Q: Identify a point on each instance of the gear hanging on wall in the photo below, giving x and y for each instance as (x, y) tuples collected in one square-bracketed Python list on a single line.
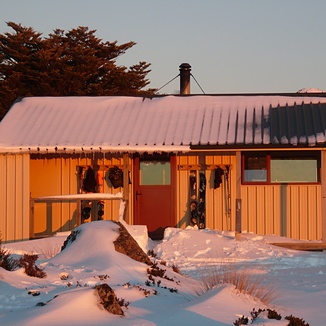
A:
[(219, 172)]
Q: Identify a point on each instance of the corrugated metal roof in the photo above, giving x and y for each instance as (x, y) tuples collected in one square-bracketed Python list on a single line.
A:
[(165, 123)]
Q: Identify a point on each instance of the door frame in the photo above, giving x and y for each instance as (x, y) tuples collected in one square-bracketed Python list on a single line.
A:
[(173, 179)]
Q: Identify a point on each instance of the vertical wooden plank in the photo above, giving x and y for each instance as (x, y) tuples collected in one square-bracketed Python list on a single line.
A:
[(183, 214), (11, 194), (130, 212), (260, 210), (323, 195), (65, 217), (238, 222), (268, 210), (319, 214), (312, 212), (210, 201), (233, 185), (284, 212), (26, 195), (74, 207), (18, 197), (252, 209), (277, 214), (3, 198), (292, 200), (126, 185), (244, 216), (126, 177)]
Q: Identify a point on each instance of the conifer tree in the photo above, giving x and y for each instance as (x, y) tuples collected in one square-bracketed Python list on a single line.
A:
[(73, 63)]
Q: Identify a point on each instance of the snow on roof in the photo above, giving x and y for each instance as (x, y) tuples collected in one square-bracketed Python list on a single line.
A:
[(311, 90), (162, 123)]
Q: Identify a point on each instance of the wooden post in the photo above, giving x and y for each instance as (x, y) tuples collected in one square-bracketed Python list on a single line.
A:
[(126, 183), (323, 195), (31, 219), (78, 212), (238, 197)]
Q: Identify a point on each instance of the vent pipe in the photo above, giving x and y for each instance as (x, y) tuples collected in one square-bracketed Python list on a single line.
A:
[(185, 69)]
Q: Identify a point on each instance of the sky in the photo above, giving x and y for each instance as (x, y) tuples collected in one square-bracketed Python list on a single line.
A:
[(236, 46)]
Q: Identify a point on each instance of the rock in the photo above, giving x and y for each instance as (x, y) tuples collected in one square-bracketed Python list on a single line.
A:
[(108, 299), (127, 245)]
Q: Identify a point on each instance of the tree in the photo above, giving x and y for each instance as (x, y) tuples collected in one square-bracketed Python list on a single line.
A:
[(73, 63)]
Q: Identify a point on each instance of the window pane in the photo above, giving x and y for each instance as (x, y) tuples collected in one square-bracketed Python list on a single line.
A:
[(154, 173), (255, 169), (294, 170)]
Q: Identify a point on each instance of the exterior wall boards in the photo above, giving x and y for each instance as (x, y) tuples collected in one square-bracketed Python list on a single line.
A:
[(287, 210), (14, 197), (57, 175), (218, 214)]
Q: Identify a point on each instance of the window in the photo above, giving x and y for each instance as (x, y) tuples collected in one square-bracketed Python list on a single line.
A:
[(280, 167), (255, 169), (154, 173)]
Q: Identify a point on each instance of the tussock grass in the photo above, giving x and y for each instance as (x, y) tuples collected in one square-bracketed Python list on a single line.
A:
[(246, 279), (47, 250)]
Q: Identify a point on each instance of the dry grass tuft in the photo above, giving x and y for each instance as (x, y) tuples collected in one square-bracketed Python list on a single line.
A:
[(47, 250), (246, 280)]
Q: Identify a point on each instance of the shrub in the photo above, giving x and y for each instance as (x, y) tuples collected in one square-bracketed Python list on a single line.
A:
[(295, 321), (28, 262), (151, 253), (272, 314), (156, 271), (6, 261), (255, 314), (123, 303), (176, 269), (241, 321)]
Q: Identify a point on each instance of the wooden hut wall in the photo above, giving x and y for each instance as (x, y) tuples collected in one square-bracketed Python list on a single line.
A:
[(217, 213), (53, 175), (14, 197), (287, 210)]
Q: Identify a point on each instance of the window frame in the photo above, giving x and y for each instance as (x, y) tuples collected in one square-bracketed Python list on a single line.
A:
[(269, 155)]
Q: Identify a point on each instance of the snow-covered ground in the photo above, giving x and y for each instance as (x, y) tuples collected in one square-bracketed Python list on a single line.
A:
[(298, 280)]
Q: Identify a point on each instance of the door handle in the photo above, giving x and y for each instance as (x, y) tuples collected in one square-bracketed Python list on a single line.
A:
[(137, 194)]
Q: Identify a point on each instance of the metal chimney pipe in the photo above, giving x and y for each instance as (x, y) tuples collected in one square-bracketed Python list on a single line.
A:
[(185, 69)]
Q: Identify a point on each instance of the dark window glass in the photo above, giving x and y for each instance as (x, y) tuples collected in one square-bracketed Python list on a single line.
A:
[(255, 169)]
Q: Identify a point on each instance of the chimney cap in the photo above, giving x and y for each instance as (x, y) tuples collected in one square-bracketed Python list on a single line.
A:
[(185, 66)]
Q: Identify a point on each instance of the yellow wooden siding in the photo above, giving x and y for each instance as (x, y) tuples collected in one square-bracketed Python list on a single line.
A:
[(216, 215), (14, 197), (58, 176), (287, 210)]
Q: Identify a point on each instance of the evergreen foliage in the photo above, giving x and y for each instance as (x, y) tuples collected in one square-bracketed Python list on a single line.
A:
[(73, 63)]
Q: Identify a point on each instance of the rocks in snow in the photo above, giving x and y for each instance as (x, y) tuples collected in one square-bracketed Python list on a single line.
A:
[(108, 299)]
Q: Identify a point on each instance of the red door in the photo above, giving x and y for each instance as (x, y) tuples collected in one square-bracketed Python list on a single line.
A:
[(154, 193)]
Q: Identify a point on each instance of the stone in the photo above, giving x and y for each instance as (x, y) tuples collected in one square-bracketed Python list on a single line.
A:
[(127, 245), (108, 299)]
